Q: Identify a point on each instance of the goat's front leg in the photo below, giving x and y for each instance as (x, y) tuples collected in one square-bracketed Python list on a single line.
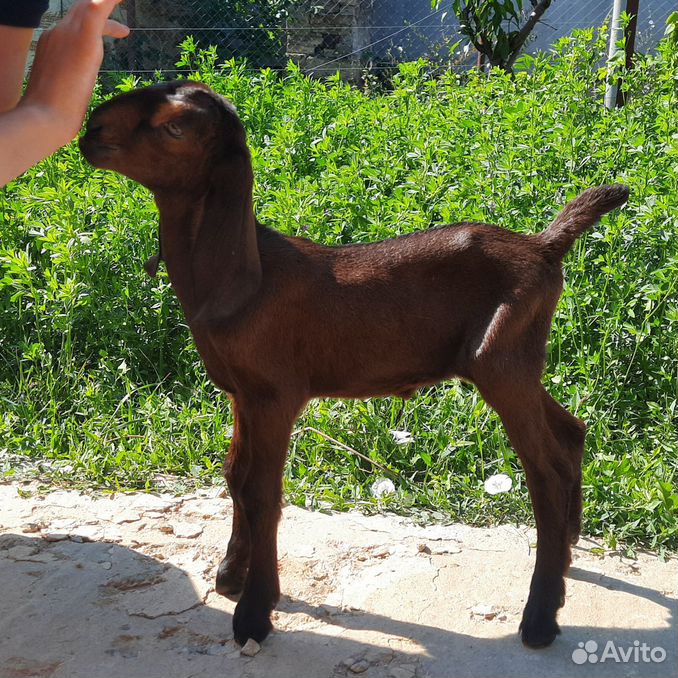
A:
[(552, 480), (267, 427), (233, 568)]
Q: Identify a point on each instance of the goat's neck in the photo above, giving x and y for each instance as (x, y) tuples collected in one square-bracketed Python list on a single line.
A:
[(210, 248)]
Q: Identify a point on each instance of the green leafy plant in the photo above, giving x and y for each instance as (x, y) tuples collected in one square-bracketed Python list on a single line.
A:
[(672, 27), (99, 380)]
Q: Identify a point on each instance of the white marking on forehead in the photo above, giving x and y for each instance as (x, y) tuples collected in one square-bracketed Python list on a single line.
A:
[(176, 98), (185, 93), (169, 109)]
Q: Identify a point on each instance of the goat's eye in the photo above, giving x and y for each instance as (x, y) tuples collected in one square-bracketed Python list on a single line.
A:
[(173, 129)]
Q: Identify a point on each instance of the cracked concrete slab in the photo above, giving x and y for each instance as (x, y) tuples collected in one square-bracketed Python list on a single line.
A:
[(101, 586)]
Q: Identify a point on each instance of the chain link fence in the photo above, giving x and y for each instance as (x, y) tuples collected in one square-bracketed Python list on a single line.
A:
[(563, 16), (320, 35), (323, 36)]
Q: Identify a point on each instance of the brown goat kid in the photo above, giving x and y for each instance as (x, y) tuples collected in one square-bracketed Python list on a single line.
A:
[(280, 320)]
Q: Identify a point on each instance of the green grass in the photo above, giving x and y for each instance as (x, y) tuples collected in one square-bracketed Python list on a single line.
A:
[(99, 379)]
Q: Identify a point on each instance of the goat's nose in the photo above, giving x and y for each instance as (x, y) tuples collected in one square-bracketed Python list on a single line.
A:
[(100, 133)]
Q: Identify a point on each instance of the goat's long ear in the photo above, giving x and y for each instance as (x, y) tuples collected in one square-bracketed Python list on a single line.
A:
[(226, 264)]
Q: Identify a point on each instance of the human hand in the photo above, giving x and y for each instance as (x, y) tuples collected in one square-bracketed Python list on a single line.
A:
[(66, 64)]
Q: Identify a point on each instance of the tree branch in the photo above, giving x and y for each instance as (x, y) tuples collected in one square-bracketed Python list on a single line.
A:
[(475, 34), (519, 39), (479, 24)]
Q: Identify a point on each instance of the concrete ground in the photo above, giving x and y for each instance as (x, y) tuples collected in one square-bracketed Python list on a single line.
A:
[(121, 587)]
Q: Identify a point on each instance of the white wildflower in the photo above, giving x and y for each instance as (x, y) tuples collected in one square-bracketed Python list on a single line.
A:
[(402, 437), (498, 483), (381, 487)]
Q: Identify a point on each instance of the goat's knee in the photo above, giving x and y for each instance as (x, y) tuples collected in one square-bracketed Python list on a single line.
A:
[(571, 432), (568, 430), (235, 468)]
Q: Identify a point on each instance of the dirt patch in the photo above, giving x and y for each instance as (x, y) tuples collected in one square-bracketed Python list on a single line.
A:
[(122, 586)]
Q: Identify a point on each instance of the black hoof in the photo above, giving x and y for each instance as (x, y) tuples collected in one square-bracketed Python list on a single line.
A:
[(249, 622), (230, 579), (538, 630)]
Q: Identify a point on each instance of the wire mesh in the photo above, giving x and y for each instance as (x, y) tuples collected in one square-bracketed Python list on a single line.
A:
[(563, 17), (323, 36)]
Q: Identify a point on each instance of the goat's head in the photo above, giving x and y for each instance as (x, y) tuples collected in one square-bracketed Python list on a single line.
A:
[(187, 144), (170, 137)]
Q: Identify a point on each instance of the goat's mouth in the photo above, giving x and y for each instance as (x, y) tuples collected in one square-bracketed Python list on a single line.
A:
[(95, 152)]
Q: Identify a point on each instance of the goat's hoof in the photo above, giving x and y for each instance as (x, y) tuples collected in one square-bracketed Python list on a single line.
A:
[(250, 623), (230, 580), (537, 630)]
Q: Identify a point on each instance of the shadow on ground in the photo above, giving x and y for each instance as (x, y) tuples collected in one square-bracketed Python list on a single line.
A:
[(65, 613)]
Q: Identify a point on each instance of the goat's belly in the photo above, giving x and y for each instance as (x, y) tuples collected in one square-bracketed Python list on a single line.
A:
[(394, 363), (372, 386)]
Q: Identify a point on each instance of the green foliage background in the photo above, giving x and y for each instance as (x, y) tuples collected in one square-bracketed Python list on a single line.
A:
[(100, 382)]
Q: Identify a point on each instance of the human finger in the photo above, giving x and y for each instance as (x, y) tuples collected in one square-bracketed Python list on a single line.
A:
[(115, 29), (95, 13)]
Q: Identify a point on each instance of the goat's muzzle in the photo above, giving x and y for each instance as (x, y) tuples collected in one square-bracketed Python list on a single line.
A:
[(95, 151), (98, 145)]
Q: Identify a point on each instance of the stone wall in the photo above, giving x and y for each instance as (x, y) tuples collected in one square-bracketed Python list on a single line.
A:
[(319, 32)]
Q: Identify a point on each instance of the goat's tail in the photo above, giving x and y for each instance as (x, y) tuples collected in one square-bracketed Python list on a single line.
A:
[(578, 215)]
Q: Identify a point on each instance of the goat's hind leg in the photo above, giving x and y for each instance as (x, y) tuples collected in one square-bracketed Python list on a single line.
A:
[(551, 481), (232, 570), (570, 432)]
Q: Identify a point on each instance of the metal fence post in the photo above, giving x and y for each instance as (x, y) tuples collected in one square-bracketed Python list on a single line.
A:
[(616, 34)]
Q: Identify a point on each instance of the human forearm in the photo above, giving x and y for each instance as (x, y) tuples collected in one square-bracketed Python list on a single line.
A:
[(29, 133)]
